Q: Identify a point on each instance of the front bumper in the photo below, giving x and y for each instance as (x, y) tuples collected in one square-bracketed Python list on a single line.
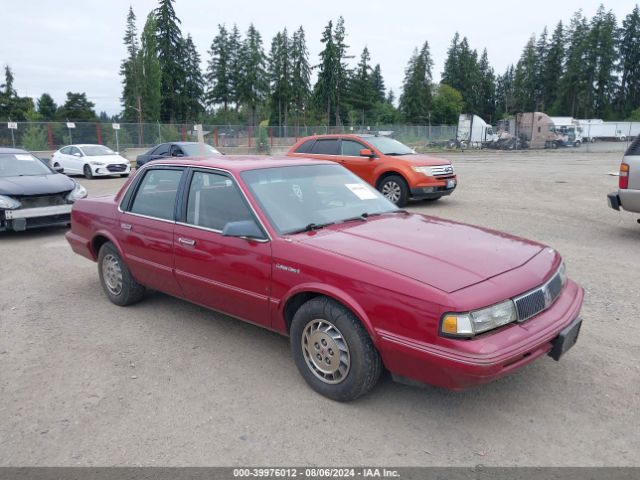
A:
[(437, 191), (518, 345), (111, 169), (26, 218)]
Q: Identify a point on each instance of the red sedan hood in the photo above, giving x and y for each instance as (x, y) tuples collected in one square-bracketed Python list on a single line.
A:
[(444, 254)]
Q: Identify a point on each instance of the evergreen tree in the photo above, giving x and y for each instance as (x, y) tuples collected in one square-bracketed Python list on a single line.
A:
[(342, 70), (193, 90), (235, 66), (462, 72), (629, 91), (505, 93), (77, 108), (603, 52), (377, 83), (254, 85), (525, 79), (150, 89), (46, 107), (325, 90), (542, 53), (553, 67), (486, 89), (573, 84), (415, 101), (363, 97), (280, 77), (13, 106), (219, 71), (170, 57), (131, 73), (300, 74)]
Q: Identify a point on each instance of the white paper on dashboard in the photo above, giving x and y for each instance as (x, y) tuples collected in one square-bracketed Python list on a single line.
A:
[(361, 191), (23, 157)]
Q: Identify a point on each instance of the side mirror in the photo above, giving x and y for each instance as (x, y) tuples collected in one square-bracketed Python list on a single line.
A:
[(77, 154), (58, 169), (243, 229), (365, 152)]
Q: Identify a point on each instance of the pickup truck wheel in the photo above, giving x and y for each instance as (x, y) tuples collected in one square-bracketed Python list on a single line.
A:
[(116, 280), (333, 351), (395, 189), (88, 173)]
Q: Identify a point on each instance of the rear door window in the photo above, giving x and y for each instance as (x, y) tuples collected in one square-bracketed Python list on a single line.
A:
[(156, 195), (306, 146), (325, 147)]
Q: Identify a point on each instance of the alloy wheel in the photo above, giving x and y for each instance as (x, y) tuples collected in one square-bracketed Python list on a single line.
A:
[(325, 351), (392, 191)]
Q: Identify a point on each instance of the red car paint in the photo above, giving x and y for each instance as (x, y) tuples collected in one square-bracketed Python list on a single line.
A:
[(398, 274)]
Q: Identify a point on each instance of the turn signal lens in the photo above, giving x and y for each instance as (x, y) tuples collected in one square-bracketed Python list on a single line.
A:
[(623, 179), (450, 325)]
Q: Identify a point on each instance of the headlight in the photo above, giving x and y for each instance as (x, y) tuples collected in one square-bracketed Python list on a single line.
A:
[(424, 170), (77, 193), (9, 203), (96, 163), (478, 321), (562, 271)]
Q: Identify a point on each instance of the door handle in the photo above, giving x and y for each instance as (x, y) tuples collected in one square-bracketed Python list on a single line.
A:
[(125, 226), (187, 241)]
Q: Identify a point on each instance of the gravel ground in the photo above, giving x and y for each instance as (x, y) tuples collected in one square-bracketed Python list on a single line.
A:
[(164, 382)]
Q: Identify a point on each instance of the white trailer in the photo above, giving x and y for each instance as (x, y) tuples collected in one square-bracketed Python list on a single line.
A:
[(569, 131), (473, 131), (597, 129)]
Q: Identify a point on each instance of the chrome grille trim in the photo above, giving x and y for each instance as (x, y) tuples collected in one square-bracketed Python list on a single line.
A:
[(442, 170), (539, 299)]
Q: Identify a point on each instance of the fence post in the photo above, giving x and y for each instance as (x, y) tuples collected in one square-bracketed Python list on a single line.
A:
[(215, 136), (50, 136), (270, 137), (99, 133), (249, 135), (184, 133)]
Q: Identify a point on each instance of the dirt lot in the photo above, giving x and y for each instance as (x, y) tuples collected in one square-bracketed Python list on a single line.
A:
[(83, 382)]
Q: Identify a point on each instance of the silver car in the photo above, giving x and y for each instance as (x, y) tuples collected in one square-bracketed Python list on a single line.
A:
[(628, 194)]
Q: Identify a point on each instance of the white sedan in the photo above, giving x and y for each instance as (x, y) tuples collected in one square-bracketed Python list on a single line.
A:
[(90, 161)]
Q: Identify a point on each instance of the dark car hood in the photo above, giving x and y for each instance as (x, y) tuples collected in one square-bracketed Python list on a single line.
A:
[(36, 184), (444, 254)]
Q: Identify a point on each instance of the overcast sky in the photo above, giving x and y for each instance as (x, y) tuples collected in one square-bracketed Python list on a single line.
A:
[(74, 45)]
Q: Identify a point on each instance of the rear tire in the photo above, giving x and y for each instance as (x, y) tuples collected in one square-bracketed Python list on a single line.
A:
[(116, 279), (333, 351), (88, 173), (395, 189)]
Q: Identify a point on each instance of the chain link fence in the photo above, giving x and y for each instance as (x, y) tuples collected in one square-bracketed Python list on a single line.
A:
[(49, 136)]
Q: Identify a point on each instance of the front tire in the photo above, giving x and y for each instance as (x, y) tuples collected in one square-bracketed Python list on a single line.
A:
[(333, 351), (395, 189), (88, 173), (124, 175), (116, 279)]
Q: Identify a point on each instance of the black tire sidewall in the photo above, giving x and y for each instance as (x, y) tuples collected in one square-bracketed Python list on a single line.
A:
[(354, 384), (404, 188), (86, 171), (130, 288)]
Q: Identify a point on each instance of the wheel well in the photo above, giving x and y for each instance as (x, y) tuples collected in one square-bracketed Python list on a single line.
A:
[(294, 303), (97, 243), (389, 174)]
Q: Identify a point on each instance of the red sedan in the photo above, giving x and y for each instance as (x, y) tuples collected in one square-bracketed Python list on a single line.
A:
[(308, 249)]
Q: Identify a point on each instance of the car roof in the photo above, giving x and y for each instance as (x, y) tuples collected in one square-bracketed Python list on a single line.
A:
[(240, 163), (12, 150)]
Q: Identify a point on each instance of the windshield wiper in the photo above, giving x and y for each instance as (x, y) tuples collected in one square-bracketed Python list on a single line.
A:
[(310, 227)]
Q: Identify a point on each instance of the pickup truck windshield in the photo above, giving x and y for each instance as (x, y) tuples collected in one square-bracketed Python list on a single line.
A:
[(307, 197), (21, 164), (389, 146)]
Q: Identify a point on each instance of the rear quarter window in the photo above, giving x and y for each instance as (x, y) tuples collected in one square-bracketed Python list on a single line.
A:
[(305, 147), (325, 147), (634, 148)]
